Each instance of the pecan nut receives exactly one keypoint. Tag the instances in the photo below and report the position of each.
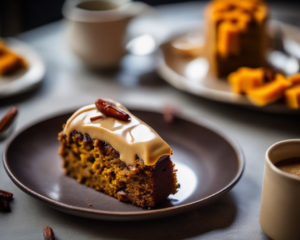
(110, 110)
(48, 233)
(8, 119)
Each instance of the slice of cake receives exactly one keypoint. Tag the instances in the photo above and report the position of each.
(9, 61)
(107, 148)
(235, 35)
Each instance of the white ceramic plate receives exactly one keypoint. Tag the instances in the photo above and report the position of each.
(192, 74)
(24, 79)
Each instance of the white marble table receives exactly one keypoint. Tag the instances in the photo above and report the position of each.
(68, 85)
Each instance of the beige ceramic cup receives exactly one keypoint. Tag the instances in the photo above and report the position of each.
(96, 29)
(280, 203)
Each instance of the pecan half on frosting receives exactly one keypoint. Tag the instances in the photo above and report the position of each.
(110, 110)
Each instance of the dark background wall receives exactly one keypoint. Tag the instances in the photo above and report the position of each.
(21, 15)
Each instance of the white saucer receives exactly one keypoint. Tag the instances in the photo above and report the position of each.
(25, 79)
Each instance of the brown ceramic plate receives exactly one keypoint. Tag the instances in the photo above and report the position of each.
(209, 164)
(193, 75)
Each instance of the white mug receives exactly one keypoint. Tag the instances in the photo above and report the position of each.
(280, 202)
(96, 29)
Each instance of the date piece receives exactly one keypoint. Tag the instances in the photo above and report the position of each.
(7, 195)
(4, 204)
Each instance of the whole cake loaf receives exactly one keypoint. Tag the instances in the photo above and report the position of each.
(235, 35)
(106, 147)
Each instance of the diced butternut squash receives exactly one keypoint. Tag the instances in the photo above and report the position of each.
(292, 97)
(228, 43)
(260, 13)
(263, 86)
(246, 79)
(9, 61)
(269, 92)
(295, 79)
(232, 5)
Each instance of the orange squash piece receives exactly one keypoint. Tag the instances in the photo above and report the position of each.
(228, 43)
(295, 79)
(260, 13)
(292, 97)
(269, 92)
(246, 79)
(9, 61)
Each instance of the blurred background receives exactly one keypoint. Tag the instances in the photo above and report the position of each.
(17, 16)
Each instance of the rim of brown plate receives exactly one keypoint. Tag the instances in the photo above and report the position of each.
(151, 214)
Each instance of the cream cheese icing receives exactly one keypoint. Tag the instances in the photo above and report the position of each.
(128, 138)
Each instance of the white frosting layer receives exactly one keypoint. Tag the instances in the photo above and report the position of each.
(128, 138)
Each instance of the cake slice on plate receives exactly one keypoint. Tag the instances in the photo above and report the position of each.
(106, 147)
